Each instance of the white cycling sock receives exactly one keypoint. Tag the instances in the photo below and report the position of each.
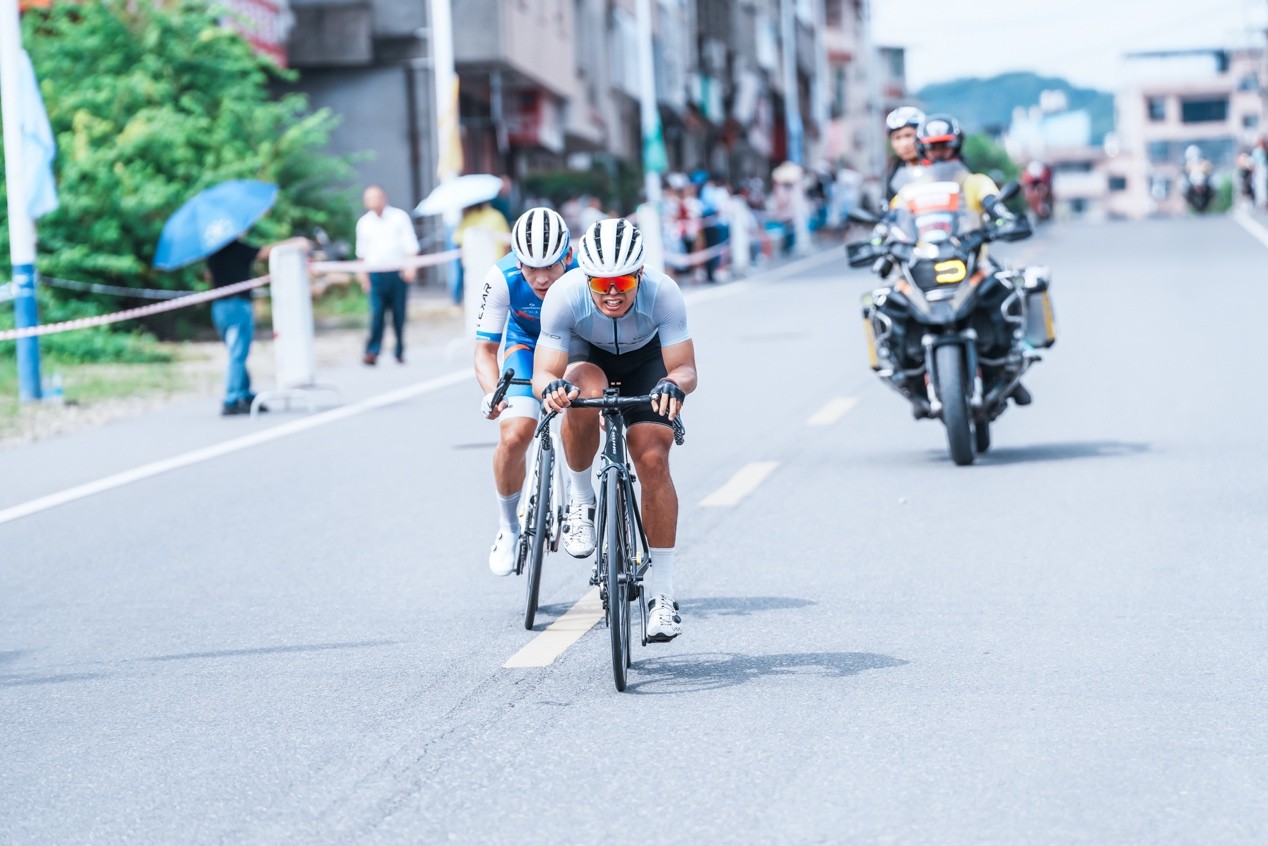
(660, 576)
(510, 506)
(582, 485)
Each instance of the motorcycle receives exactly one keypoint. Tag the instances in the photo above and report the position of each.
(955, 332)
(1037, 186)
(1197, 190)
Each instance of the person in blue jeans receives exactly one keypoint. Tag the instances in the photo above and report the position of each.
(233, 316)
(385, 242)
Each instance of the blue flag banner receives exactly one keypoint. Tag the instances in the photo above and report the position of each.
(38, 146)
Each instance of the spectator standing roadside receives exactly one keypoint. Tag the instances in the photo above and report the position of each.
(485, 216)
(385, 240)
(234, 318)
(1259, 172)
(591, 213)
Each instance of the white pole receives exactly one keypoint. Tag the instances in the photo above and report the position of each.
(792, 100)
(653, 144)
(21, 227)
(443, 77)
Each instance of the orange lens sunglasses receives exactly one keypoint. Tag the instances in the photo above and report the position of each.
(603, 284)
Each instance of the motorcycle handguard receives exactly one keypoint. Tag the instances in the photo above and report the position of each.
(863, 253)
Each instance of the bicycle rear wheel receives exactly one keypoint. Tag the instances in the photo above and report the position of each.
(618, 599)
(540, 511)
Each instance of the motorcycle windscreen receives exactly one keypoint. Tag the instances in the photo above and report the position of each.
(934, 208)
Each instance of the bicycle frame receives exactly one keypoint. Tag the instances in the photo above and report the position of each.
(615, 462)
(623, 554)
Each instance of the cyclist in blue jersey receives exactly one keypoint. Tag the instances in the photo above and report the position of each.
(509, 322)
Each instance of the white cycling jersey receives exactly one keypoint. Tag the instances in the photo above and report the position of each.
(569, 314)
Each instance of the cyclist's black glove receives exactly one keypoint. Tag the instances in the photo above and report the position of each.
(666, 387)
(557, 385)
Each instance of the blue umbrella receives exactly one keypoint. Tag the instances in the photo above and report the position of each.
(212, 219)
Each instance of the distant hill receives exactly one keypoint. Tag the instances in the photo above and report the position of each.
(986, 105)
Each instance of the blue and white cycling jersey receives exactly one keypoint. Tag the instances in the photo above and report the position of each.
(509, 304)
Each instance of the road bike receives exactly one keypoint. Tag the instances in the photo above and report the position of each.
(623, 555)
(542, 501)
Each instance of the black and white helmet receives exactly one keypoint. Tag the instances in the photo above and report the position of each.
(540, 238)
(611, 247)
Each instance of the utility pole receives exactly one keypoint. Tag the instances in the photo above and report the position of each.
(654, 159)
(21, 227)
(792, 99)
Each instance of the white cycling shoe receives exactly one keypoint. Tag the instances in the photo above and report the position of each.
(502, 555)
(664, 623)
(579, 530)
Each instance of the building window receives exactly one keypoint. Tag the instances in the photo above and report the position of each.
(1250, 121)
(1118, 183)
(1157, 108)
(1206, 110)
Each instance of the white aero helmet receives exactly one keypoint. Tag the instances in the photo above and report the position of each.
(540, 237)
(612, 247)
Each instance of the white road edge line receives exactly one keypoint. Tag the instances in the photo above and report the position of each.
(832, 412)
(542, 650)
(198, 456)
(1257, 230)
(743, 483)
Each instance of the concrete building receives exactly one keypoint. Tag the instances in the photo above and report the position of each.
(366, 61)
(1170, 100)
(547, 85)
(864, 82)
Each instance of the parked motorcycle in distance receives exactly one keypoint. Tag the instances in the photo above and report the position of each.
(952, 331)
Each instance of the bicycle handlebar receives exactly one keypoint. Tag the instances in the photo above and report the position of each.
(613, 403)
(621, 403)
(506, 380)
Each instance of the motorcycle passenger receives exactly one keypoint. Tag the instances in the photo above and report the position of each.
(939, 142)
(541, 252)
(614, 321)
(902, 123)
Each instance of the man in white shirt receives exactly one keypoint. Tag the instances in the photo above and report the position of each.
(385, 240)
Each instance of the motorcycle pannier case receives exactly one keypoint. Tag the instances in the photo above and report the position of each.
(869, 333)
(1041, 323)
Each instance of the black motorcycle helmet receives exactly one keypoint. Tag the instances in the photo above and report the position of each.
(939, 129)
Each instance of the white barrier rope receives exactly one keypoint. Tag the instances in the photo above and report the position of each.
(184, 300)
(364, 267)
(681, 260)
(133, 313)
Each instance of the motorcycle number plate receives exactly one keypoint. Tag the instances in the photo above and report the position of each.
(949, 272)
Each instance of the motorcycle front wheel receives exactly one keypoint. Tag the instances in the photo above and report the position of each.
(953, 393)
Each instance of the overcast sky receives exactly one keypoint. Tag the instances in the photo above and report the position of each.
(1078, 39)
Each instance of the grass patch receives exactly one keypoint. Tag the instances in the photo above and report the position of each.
(86, 385)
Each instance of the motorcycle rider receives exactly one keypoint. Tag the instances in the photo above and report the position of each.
(939, 143)
(902, 124)
(1197, 178)
(1036, 182)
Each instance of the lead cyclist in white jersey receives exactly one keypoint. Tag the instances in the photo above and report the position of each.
(621, 323)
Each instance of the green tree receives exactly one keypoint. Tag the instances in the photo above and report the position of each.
(982, 155)
(150, 103)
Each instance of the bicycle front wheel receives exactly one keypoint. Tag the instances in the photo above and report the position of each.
(618, 589)
(543, 507)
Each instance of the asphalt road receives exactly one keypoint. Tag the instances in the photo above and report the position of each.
(299, 641)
